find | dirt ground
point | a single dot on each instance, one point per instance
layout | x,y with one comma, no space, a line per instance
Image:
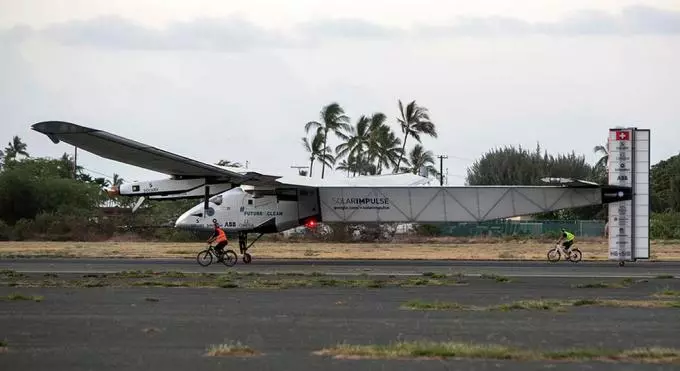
515,250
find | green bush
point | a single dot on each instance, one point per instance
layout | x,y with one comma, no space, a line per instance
665,226
5,231
428,230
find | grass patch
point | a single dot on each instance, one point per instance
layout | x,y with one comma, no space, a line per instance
9,273
436,305
496,277
624,283
15,297
665,276
231,279
667,292
231,349
161,283
530,305
434,275
595,285
543,304
439,350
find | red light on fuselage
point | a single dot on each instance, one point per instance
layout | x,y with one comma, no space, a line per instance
311,223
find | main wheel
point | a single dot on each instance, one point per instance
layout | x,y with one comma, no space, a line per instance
575,255
230,258
553,255
204,258
247,258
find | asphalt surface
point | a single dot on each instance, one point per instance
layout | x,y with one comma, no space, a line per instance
112,328
349,267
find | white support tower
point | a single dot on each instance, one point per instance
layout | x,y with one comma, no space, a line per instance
629,166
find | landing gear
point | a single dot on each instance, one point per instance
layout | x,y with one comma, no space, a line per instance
622,263
243,246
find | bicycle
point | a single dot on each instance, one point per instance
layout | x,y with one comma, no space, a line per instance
556,253
205,257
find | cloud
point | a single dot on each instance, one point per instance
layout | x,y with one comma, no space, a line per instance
227,34
347,28
237,34
633,20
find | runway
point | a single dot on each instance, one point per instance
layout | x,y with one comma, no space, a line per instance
601,269
134,326
83,314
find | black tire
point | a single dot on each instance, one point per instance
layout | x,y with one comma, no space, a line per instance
575,255
622,263
229,258
204,256
554,252
247,258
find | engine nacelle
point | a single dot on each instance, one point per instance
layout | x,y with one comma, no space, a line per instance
189,187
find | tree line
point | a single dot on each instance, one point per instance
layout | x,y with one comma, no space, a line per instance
46,198
370,146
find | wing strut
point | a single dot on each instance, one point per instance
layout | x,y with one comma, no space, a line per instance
206,198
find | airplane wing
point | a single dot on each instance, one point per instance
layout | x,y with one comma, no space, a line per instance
131,152
571,183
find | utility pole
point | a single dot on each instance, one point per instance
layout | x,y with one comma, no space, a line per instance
75,162
441,169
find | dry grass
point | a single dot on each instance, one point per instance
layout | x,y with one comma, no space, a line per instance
542,304
465,250
439,350
231,349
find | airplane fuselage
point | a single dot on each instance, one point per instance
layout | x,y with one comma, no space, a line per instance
257,211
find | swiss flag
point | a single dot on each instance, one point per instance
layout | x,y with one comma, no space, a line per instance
622,135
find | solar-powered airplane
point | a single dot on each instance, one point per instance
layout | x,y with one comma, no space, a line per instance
244,201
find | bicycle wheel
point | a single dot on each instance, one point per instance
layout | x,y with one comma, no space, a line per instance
575,255
230,258
204,258
553,255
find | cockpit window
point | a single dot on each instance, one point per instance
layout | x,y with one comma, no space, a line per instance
217,200
199,214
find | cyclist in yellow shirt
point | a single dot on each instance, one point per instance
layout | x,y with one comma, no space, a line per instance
568,239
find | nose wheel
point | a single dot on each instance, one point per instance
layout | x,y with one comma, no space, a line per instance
247,258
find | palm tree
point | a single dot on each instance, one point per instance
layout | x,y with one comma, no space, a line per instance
333,119
604,160
348,164
357,142
419,158
317,150
15,147
117,180
384,148
66,166
414,121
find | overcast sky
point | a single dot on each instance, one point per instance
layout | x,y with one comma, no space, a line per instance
238,80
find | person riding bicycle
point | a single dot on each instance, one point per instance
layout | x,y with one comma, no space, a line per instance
568,239
220,237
